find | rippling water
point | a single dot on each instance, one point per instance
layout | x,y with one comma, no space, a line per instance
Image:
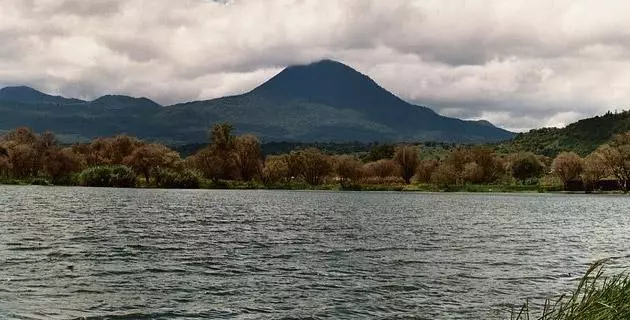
70,253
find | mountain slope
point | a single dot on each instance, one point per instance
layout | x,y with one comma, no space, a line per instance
322,101
329,101
582,136
28,95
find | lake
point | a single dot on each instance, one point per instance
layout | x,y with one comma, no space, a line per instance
170,254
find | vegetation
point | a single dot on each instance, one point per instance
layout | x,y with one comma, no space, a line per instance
596,298
231,161
581,137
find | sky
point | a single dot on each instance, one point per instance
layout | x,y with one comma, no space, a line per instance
518,64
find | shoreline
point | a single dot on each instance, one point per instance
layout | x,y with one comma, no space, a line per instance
411,188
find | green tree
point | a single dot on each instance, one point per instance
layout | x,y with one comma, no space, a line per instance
526,166
379,152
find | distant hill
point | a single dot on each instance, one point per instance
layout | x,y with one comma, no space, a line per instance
28,95
323,101
582,137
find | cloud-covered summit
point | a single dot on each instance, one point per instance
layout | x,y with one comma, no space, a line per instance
518,64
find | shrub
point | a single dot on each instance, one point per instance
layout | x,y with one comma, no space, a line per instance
108,176
186,179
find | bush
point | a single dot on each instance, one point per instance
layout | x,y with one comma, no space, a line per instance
187,179
108,176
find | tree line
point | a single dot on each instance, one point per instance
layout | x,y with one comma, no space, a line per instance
124,161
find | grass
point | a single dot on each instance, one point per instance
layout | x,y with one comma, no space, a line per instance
597,297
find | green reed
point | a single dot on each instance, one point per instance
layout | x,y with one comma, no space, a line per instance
597,297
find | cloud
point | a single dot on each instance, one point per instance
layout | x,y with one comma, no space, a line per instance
518,64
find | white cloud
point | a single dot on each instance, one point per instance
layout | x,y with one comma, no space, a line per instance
519,64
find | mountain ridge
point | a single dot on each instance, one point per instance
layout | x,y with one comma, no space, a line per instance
321,101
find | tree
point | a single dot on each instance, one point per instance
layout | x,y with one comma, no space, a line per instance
98,152
382,169
490,166
455,161
347,168
445,175
473,173
567,166
24,161
248,157
120,147
206,162
61,162
426,169
21,135
594,170
145,159
275,169
525,165
616,156
314,166
380,151
407,159
223,149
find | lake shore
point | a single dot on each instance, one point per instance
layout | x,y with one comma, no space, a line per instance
398,187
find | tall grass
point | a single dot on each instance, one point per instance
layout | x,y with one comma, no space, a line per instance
597,297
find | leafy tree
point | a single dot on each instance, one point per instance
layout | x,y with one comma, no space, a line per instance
25,161
60,163
526,166
489,166
426,169
275,169
145,159
120,147
347,168
407,158
455,162
595,169
248,157
567,166
379,152
473,173
616,157
382,169
223,151
22,135
311,164
445,175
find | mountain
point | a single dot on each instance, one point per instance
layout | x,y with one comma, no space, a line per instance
31,96
322,101
582,136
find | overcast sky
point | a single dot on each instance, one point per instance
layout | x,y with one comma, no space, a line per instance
518,64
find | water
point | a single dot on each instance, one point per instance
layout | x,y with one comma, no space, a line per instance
69,253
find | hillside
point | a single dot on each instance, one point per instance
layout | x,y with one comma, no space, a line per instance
322,101
582,137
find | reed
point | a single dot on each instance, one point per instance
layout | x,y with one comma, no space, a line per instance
597,297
